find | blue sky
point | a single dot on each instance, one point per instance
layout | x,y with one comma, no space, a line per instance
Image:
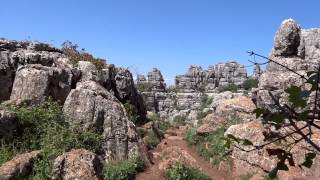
168,34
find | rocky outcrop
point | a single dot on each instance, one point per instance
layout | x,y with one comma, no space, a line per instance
8,124
31,70
91,106
237,109
35,83
19,166
295,48
219,75
78,164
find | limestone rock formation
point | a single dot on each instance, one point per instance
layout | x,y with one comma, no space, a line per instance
42,59
19,166
91,106
35,83
219,75
294,47
8,124
78,164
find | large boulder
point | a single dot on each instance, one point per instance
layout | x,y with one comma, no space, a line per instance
35,83
91,107
287,39
15,54
8,124
78,164
238,108
19,166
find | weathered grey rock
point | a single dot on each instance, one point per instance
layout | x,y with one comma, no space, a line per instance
91,106
78,164
89,71
295,48
287,39
19,167
257,71
6,75
14,54
120,82
35,83
8,124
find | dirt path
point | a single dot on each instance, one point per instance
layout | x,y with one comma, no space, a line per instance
153,173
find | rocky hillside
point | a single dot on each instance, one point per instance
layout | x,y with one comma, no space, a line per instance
67,115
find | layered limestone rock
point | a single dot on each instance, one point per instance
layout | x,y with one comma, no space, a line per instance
35,83
91,106
196,79
154,92
295,48
78,164
31,71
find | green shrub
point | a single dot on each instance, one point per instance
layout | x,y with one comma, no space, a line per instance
179,121
76,55
201,114
132,113
123,170
191,136
43,127
250,83
230,87
211,146
182,172
151,140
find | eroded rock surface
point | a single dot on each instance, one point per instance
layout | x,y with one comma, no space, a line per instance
91,106
19,166
78,164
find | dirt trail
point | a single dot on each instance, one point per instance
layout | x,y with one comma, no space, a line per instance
153,172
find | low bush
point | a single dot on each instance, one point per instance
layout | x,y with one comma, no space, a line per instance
76,55
179,121
211,146
182,172
230,87
43,127
123,170
250,83
151,140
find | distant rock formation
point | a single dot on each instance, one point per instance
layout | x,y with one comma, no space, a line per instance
219,75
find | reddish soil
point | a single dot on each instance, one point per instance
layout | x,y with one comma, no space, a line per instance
154,173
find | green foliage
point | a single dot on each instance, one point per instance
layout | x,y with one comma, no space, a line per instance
151,140
250,83
76,55
308,161
191,136
43,127
123,170
144,87
132,113
211,146
182,172
179,121
230,87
